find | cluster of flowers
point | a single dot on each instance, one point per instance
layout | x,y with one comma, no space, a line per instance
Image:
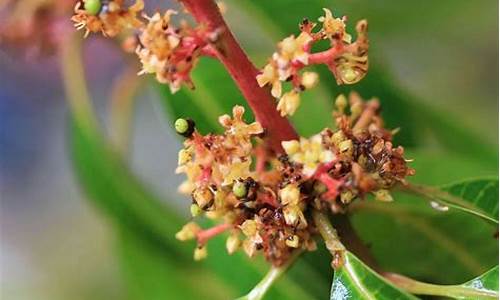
347,60
265,200
170,52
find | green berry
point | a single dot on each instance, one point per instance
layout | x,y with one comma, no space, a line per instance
92,7
184,127
240,189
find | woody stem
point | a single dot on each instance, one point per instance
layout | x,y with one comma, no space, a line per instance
243,72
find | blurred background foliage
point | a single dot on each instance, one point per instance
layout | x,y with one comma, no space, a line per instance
434,68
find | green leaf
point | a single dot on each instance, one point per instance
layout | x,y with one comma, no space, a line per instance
483,287
150,274
355,280
407,236
478,196
486,283
116,192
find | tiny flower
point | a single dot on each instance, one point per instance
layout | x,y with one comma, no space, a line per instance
200,253
341,103
346,149
383,195
288,103
346,196
334,27
294,216
237,126
309,80
233,243
294,49
203,197
291,147
188,232
292,241
290,194
195,210
185,156
110,17
235,171
249,228
311,154
270,76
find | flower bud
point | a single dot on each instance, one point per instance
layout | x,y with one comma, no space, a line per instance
203,197
291,147
200,253
249,227
383,195
309,79
289,103
292,241
290,194
195,210
346,148
184,157
341,103
188,232
232,243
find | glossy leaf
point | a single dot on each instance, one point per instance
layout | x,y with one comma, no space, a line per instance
409,237
150,274
115,191
355,280
477,195
486,283
484,287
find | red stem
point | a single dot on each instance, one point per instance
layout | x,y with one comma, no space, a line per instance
327,56
205,235
243,72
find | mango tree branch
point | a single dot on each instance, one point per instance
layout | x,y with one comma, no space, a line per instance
243,72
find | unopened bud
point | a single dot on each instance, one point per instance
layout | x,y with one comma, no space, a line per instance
232,243
195,210
341,103
309,79
188,232
383,195
291,147
249,227
292,241
200,253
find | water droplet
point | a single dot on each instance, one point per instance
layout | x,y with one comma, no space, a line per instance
439,206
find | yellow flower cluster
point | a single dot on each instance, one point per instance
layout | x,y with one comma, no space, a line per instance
348,61
267,208
167,52
111,18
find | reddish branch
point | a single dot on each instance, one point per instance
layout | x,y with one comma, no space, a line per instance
243,73
204,235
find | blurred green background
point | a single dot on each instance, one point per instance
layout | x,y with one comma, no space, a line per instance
434,68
